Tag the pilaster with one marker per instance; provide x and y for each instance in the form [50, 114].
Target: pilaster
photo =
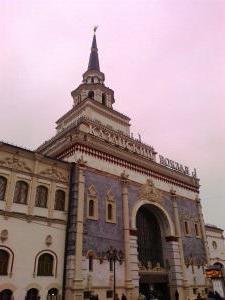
[78, 275]
[183, 291]
[126, 226]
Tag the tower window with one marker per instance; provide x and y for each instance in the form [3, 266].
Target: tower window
[91, 94]
[103, 99]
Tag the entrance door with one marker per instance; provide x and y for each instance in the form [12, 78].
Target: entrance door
[6, 295]
[152, 284]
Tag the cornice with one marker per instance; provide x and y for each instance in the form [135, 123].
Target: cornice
[30, 218]
[157, 172]
[82, 103]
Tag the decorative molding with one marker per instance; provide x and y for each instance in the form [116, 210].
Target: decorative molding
[4, 235]
[48, 240]
[15, 163]
[149, 192]
[54, 174]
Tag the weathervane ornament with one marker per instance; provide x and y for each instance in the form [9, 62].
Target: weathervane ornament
[95, 28]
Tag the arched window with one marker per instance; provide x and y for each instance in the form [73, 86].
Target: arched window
[103, 99]
[32, 294]
[53, 294]
[6, 295]
[59, 200]
[3, 183]
[41, 196]
[110, 208]
[91, 94]
[91, 208]
[4, 262]
[109, 212]
[21, 192]
[45, 265]
[92, 203]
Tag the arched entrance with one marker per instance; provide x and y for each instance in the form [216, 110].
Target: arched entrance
[151, 226]
[32, 294]
[6, 295]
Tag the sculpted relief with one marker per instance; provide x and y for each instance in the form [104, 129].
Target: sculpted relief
[15, 163]
[149, 192]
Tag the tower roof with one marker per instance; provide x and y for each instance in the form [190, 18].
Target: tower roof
[93, 60]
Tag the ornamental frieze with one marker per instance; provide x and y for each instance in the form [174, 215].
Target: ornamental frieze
[15, 163]
[149, 192]
[54, 174]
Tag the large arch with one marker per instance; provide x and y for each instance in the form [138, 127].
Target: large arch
[154, 229]
[159, 211]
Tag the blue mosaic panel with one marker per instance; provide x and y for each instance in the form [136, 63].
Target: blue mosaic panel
[100, 235]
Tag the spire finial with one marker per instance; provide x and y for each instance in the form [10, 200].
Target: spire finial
[95, 28]
[93, 60]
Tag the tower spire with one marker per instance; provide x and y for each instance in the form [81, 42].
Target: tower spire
[93, 60]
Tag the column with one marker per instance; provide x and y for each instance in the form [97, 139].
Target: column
[78, 276]
[126, 226]
[182, 290]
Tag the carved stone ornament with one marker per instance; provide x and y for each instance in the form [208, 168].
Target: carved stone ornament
[54, 173]
[4, 235]
[149, 192]
[48, 240]
[15, 163]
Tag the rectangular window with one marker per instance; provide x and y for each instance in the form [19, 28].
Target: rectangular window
[109, 294]
[90, 263]
[111, 265]
[197, 229]
[186, 227]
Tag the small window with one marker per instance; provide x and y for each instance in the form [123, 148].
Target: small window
[45, 265]
[4, 262]
[111, 265]
[90, 263]
[41, 196]
[197, 229]
[91, 208]
[21, 192]
[60, 200]
[109, 294]
[110, 208]
[186, 227]
[3, 183]
[92, 203]
[110, 213]
[52, 294]
[214, 244]
[91, 94]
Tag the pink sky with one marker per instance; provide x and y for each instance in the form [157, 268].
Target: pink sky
[165, 60]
